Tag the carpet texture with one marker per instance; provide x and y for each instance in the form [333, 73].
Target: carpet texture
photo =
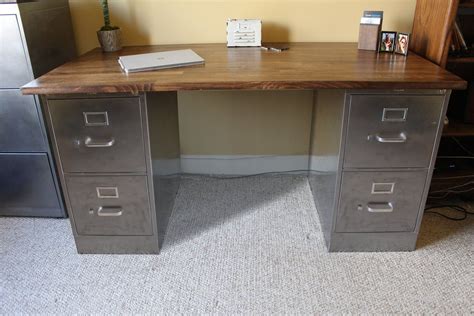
[246, 246]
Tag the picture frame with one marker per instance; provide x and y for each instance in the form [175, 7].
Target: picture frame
[402, 43]
[387, 42]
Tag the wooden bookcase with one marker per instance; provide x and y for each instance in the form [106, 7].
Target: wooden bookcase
[461, 108]
[433, 28]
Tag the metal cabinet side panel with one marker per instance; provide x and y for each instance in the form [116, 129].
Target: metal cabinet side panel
[434, 154]
[162, 112]
[325, 161]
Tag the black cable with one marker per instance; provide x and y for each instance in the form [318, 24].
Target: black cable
[464, 148]
[453, 207]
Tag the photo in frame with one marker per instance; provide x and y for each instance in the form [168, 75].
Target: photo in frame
[403, 40]
[387, 42]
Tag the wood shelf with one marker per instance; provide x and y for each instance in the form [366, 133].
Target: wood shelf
[458, 129]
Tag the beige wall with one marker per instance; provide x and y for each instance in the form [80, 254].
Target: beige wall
[250, 123]
[245, 122]
[203, 21]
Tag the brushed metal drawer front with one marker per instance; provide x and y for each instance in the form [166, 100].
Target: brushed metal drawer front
[14, 71]
[27, 187]
[99, 135]
[380, 201]
[391, 131]
[110, 205]
[20, 128]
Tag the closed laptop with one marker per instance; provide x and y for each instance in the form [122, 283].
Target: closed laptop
[160, 60]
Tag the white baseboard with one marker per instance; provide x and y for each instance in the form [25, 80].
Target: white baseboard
[241, 164]
[323, 163]
[164, 167]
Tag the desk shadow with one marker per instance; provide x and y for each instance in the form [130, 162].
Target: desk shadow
[204, 203]
[435, 229]
[274, 32]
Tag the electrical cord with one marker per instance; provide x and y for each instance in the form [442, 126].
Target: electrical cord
[247, 175]
[454, 177]
[466, 150]
[455, 157]
[448, 192]
[445, 192]
[453, 207]
[450, 189]
[296, 172]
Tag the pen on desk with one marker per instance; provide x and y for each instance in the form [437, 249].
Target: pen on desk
[274, 49]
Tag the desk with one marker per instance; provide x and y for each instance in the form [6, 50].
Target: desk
[385, 111]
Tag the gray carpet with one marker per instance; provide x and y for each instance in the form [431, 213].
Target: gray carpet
[248, 246]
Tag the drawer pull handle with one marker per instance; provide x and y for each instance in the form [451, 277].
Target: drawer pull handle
[401, 138]
[380, 207]
[109, 211]
[91, 144]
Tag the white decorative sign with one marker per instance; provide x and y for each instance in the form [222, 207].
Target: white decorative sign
[244, 33]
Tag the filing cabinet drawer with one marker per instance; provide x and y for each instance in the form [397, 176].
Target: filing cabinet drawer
[380, 201]
[20, 128]
[14, 71]
[391, 131]
[27, 187]
[110, 206]
[99, 135]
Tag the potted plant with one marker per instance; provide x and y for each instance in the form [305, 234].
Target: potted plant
[110, 37]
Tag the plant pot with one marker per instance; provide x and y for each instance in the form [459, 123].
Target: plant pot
[110, 41]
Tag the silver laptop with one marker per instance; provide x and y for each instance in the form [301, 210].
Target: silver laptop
[160, 60]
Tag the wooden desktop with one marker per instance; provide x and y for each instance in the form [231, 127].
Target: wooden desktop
[370, 192]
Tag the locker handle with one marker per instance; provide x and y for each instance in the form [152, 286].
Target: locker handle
[380, 207]
[400, 138]
[109, 211]
[91, 144]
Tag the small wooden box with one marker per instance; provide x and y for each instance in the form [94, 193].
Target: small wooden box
[369, 36]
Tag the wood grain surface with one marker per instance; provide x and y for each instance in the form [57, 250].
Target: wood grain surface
[303, 66]
[432, 27]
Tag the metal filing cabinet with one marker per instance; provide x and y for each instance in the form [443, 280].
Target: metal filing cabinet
[103, 148]
[389, 141]
[35, 37]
